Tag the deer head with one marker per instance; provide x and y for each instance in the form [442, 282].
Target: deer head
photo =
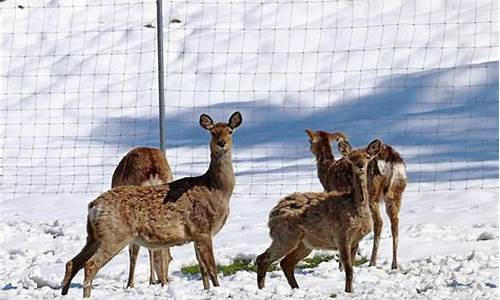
[360, 158]
[221, 132]
[319, 139]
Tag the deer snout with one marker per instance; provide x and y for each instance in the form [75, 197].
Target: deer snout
[221, 144]
[360, 168]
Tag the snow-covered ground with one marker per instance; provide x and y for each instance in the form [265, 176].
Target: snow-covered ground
[441, 256]
[79, 90]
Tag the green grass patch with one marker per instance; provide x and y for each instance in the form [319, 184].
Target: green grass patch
[313, 262]
[191, 270]
[362, 260]
[227, 270]
[237, 265]
[249, 266]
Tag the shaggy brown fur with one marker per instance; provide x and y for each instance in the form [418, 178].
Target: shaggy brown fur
[331, 221]
[146, 216]
[144, 166]
[389, 187]
[386, 180]
[334, 175]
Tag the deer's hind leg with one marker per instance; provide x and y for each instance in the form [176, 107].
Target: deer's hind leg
[278, 248]
[104, 253]
[133, 250]
[162, 260]
[152, 275]
[392, 207]
[77, 263]
[290, 261]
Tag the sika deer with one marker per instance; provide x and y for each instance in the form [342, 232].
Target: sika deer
[190, 209]
[301, 222]
[386, 180]
[334, 175]
[389, 186]
[143, 166]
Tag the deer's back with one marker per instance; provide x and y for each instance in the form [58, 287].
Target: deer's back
[321, 218]
[142, 166]
[161, 214]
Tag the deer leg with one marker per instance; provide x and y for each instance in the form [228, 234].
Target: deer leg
[392, 208]
[354, 251]
[377, 219]
[377, 231]
[152, 256]
[133, 250]
[290, 261]
[203, 266]
[207, 254]
[345, 258]
[103, 254]
[277, 250]
[162, 259]
[77, 263]
[166, 264]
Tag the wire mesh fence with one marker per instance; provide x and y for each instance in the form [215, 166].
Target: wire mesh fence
[79, 82]
[72, 73]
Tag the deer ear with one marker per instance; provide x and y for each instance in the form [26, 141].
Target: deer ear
[311, 134]
[337, 136]
[206, 122]
[374, 147]
[235, 120]
[345, 148]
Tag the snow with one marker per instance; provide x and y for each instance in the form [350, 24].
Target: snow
[79, 90]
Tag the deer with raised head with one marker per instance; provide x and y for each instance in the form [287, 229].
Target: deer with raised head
[334, 175]
[143, 166]
[386, 181]
[302, 222]
[191, 209]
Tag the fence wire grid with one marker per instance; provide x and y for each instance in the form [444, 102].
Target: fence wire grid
[79, 88]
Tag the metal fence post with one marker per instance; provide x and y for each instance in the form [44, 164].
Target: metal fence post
[161, 95]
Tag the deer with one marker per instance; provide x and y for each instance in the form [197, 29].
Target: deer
[143, 166]
[387, 181]
[190, 209]
[334, 175]
[301, 222]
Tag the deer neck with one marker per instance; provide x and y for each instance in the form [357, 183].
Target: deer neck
[324, 158]
[360, 191]
[220, 172]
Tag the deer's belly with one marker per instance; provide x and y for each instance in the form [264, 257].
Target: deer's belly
[320, 244]
[162, 236]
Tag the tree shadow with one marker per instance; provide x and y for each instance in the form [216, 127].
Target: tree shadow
[428, 119]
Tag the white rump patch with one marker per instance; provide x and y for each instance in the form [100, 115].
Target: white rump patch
[153, 180]
[399, 171]
[384, 168]
[94, 213]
